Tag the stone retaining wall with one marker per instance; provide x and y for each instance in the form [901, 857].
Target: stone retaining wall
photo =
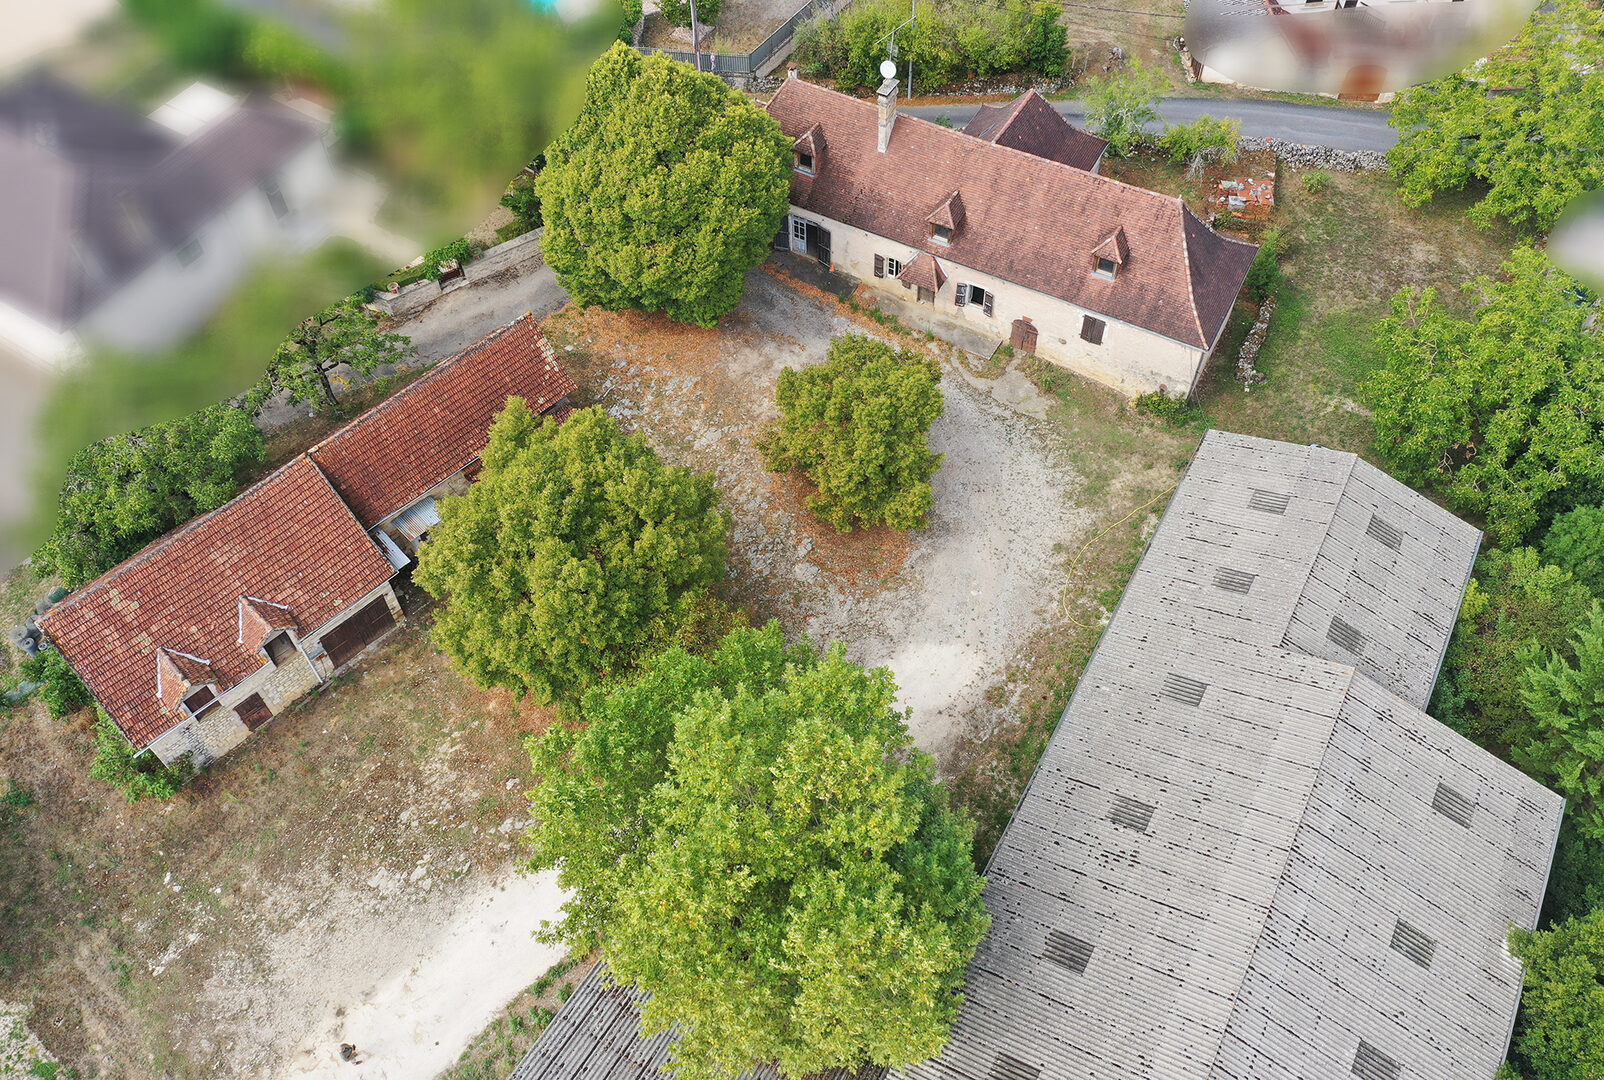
[519, 251]
[1303, 156]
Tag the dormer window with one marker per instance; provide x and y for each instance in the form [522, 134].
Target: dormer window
[808, 151]
[804, 163]
[200, 701]
[1106, 267]
[1109, 256]
[946, 219]
[279, 648]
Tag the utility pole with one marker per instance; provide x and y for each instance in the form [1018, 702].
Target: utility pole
[696, 38]
[913, 13]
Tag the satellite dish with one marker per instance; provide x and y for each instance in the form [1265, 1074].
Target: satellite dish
[888, 69]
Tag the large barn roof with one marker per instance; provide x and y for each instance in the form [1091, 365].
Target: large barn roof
[1247, 852]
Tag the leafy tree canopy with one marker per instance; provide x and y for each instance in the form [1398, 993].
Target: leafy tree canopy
[123, 492]
[668, 188]
[1514, 601]
[1560, 1035]
[1537, 143]
[136, 777]
[1120, 106]
[1204, 140]
[1576, 542]
[858, 426]
[1566, 700]
[1499, 411]
[575, 551]
[344, 333]
[756, 842]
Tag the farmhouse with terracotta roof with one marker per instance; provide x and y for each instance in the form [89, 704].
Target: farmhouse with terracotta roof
[206, 634]
[1003, 227]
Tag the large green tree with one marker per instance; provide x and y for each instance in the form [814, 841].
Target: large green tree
[125, 491]
[574, 552]
[1499, 411]
[344, 334]
[754, 840]
[1566, 700]
[1560, 1035]
[1576, 541]
[1528, 122]
[858, 425]
[1514, 602]
[1122, 106]
[668, 188]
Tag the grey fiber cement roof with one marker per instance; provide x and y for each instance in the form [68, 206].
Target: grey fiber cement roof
[1246, 931]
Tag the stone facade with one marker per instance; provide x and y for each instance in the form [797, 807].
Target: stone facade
[1129, 359]
[221, 730]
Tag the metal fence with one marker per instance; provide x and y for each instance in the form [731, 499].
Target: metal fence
[750, 63]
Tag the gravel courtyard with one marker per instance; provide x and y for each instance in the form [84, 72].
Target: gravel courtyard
[948, 607]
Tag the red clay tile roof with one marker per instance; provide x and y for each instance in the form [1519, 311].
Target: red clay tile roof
[925, 272]
[1030, 123]
[176, 672]
[811, 141]
[387, 458]
[1029, 220]
[1113, 248]
[289, 539]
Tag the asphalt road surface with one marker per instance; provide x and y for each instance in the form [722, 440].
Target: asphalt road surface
[1335, 126]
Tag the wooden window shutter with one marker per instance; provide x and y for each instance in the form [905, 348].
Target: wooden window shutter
[879, 266]
[1091, 329]
[962, 297]
[989, 299]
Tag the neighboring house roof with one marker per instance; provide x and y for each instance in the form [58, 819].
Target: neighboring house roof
[384, 461]
[95, 194]
[288, 539]
[1030, 123]
[1234, 856]
[596, 1036]
[1027, 219]
[1237, 860]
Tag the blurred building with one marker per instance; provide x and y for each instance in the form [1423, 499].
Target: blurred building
[130, 230]
[1360, 49]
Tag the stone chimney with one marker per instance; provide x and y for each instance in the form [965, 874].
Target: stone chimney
[888, 110]
[791, 70]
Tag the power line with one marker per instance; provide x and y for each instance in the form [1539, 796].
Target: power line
[1068, 4]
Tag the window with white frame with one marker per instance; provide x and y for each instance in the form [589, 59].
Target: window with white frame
[799, 231]
[893, 267]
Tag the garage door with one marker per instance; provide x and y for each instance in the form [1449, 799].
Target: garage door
[358, 632]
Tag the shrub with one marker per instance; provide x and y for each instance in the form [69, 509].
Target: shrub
[138, 777]
[522, 198]
[1204, 140]
[1575, 541]
[1047, 41]
[1120, 106]
[858, 425]
[459, 251]
[678, 12]
[63, 691]
[1264, 276]
[632, 10]
[1172, 410]
[1317, 182]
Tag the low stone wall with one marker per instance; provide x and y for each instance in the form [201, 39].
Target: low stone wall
[519, 251]
[1303, 156]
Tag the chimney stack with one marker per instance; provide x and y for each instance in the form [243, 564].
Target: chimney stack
[888, 110]
[791, 70]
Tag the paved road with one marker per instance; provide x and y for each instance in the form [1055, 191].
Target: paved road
[1318, 125]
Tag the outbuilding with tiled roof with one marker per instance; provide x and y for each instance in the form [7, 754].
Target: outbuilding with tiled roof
[206, 634]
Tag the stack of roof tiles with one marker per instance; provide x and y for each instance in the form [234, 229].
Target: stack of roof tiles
[1246, 854]
[1027, 219]
[295, 542]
